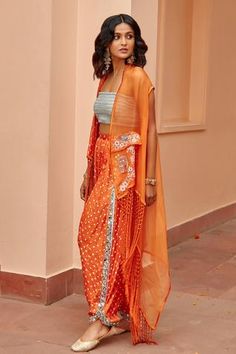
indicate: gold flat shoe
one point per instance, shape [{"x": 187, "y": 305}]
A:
[{"x": 85, "y": 346}]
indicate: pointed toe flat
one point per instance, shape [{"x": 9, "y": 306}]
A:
[{"x": 84, "y": 346}]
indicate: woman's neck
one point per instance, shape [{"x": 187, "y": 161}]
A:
[{"x": 118, "y": 66}]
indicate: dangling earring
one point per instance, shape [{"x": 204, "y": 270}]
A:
[
  {"x": 107, "y": 61},
  {"x": 131, "y": 59}
]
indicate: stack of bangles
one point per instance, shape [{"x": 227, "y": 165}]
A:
[{"x": 151, "y": 181}]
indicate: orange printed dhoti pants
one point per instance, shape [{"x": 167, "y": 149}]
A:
[{"x": 104, "y": 238}]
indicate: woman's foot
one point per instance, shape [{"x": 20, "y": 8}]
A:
[
  {"x": 92, "y": 336},
  {"x": 95, "y": 331},
  {"x": 116, "y": 330}
]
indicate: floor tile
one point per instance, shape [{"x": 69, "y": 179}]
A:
[{"x": 199, "y": 317}]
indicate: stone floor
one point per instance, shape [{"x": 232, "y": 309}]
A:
[{"x": 199, "y": 318}]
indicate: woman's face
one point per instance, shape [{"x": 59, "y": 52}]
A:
[{"x": 123, "y": 43}]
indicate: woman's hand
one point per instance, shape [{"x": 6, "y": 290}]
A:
[
  {"x": 150, "y": 194},
  {"x": 83, "y": 188}
]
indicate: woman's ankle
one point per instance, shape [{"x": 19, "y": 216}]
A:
[{"x": 95, "y": 331}]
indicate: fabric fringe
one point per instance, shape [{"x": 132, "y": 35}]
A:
[{"x": 141, "y": 332}]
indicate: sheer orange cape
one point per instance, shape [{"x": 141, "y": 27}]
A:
[{"x": 148, "y": 289}]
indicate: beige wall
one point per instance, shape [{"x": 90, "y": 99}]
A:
[
  {"x": 199, "y": 167},
  {"x": 25, "y": 28},
  {"x": 38, "y": 78},
  {"x": 47, "y": 93},
  {"x": 59, "y": 252}
]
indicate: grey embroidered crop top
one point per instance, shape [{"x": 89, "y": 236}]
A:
[{"x": 103, "y": 106}]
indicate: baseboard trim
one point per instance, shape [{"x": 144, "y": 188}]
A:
[
  {"x": 188, "y": 229},
  {"x": 38, "y": 289},
  {"x": 49, "y": 290}
]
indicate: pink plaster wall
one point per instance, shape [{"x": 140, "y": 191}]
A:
[
  {"x": 62, "y": 117},
  {"x": 199, "y": 167},
  {"x": 25, "y": 28},
  {"x": 47, "y": 93}
]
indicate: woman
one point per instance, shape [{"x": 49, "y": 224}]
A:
[{"x": 122, "y": 231}]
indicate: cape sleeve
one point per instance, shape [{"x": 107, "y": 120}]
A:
[
  {"x": 142, "y": 87},
  {"x": 154, "y": 280}
]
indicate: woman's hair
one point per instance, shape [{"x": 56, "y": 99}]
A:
[{"x": 106, "y": 36}]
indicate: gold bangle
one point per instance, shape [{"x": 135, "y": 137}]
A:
[{"x": 151, "y": 181}]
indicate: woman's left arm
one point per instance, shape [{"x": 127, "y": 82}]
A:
[{"x": 151, "y": 151}]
